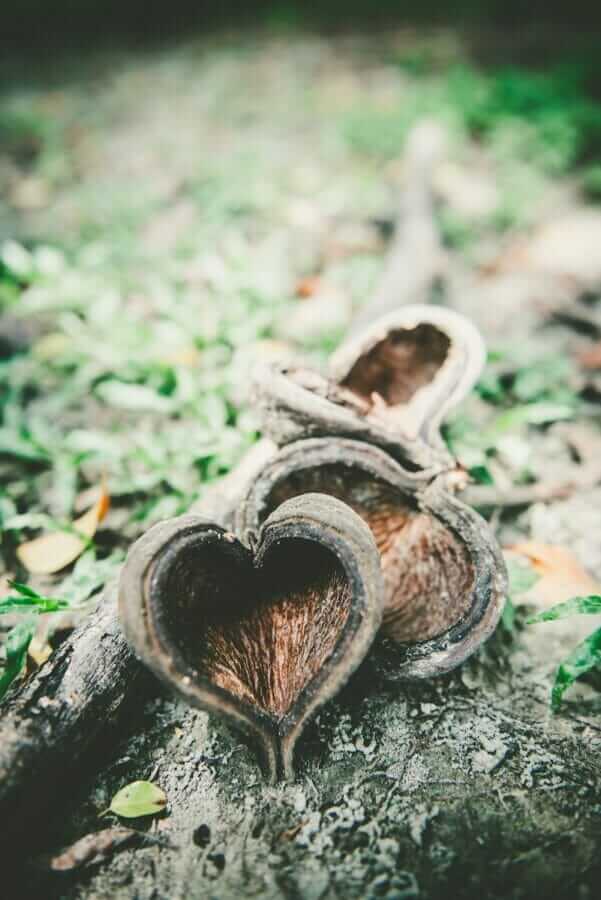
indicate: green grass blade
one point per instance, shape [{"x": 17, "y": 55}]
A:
[
  {"x": 16, "y": 646},
  {"x": 575, "y": 606},
  {"x": 585, "y": 657}
]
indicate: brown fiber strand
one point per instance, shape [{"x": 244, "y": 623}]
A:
[
  {"x": 428, "y": 574},
  {"x": 263, "y": 643}
]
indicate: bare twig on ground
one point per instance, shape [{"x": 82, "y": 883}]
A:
[
  {"x": 585, "y": 477},
  {"x": 485, "y": 495},
  {"x": 416, "y": 256}
]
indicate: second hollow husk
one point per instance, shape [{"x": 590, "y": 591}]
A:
[{"x": 443, "y": 573}]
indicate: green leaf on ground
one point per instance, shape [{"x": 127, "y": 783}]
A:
[
  {"x": 481, "y": 474},
  {"x": 490, "y": 388},
  {"x": 585, "y": 657},
  {"x": 140, "y": 798},
  {"x": 528, "y": 414},
  {"x": 138, "y": 397},
  {"x": 28, "y": 600},
  {"x": 521, "y": 577},
  {"x": 573, "y": 607},
  {"x": 15, "y": 646}
]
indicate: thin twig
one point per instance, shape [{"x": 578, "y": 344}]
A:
[
  {"x": 416, "y": 256},
  {"x": 485, "y": 495}
]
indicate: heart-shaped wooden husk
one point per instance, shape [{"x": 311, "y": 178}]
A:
[
  {"x": 391, "y": 385},
  {"x": 261, "y": 637},
  {"x": 444, "y": 575}
]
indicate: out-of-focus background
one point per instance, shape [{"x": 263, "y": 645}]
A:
[{"x": 185, "y": 190}]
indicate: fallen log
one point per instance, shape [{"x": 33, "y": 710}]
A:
[{"x": 49, "y": 725}]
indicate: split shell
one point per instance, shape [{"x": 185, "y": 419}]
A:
[
  {"x": 444, "y": 575},
  {"x": 262, "y": 637},
  {"x": 391, "y": 385}
]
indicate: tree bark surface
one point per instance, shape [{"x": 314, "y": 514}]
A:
[{"x": 53, "y": 721}]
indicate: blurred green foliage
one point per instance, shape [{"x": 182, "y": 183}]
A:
[{"x": 547, "y": 118}]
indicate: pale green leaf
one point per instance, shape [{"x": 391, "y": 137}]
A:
[
  {"x": 521, "y": 576},
  {"x": 140, "y": 798},
  {"x": 138, "y": 397},
  {"x": 15, "y": 648},
  {"x": 508, "y": 614}
]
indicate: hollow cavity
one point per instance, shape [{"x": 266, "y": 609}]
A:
[
  {"x": 260, "y": 634},
  {"x": 396, "y": 368},
  {"x": 428, "y": 573}
]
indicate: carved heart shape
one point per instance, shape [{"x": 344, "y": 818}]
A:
[{"x": 262, "y": 638}]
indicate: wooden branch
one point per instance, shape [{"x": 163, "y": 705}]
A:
[
  {"x": 416, "y": 256},
  {"x": 54, "y": 720},
  {"x": 585, "y": 477},
  {"x": 484, "y": 495}
]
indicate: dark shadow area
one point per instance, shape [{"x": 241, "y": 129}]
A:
[{"x": 36, "y": 25}]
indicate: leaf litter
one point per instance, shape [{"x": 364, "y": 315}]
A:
[{"x": 52, "y": 552}]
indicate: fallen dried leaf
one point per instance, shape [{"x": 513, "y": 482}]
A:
[
  {"x": 54, "y": 551},
  {"x": 184, "y": 356},
  {"x": 93, "y": 848},
  {"x": 565, "y": 247},
  {"x": 591, "y": 357},
  {"x": 307, "y": 286},
  {"x": 30, "y": 193},
  {"x": 39, "y": 650},
  {"x": 562, "y": 576}
]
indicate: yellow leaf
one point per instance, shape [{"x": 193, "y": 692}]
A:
[
  {"x": 53, "y": 551},
  {"x": 185, "y": 356},
  {"x": 39, "y": 650},
  {"x": 562, "y": 576}
]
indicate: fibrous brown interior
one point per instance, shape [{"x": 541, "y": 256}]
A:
[
  {"x": 393, "y": 370},
  {"x": 262, "y": 634},
  {"x": 428, "y": 573}
]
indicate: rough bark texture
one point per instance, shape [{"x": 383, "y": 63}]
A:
[
  {"x": 463, "y": 786},
  {"x": 53, "y": 721}
]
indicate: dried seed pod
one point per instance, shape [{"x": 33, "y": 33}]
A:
[
  {"x": 444, "y": 575},
  {"x": 392, "y": 385},
  {"x": 261, "y": 637}
]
